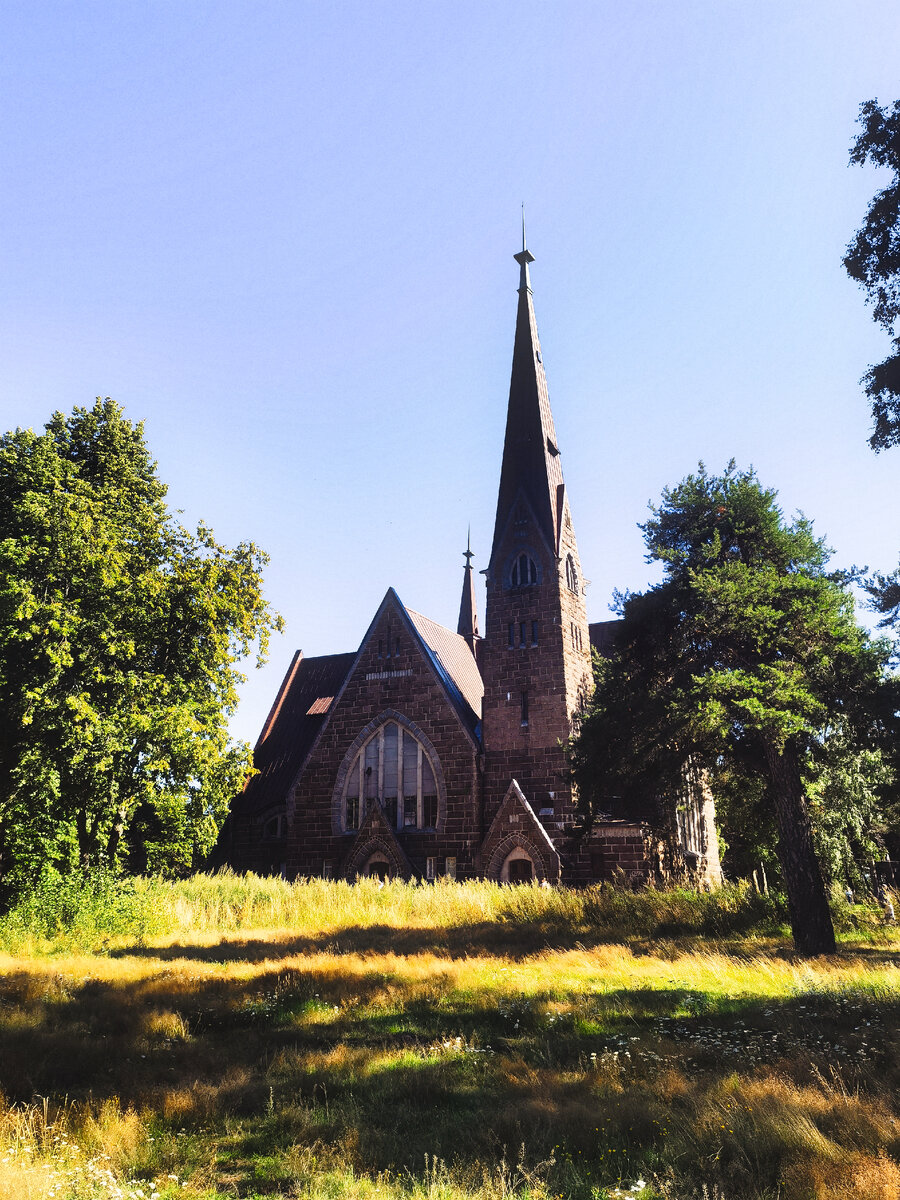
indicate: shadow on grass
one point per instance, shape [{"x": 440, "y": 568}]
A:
[
  {"x": 128, "y": 1037},
  {"x": 459, "y": 942},
  {"x": 387, "y": 1066}
]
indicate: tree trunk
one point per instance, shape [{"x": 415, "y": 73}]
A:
[
  {"x": 84, "y": 841},
  {"x": 807, "y": 900},
  {"x": 115, "y": 836}
]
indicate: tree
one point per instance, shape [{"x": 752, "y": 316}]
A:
[
  {"x": 873, "y": 260},
  {"x": 738, "y": 660},
  {"x": 849, "y": 790},
  {"x": 120, "y": 632}
]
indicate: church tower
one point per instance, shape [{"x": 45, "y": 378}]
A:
[{"x": 535, "y": 654}]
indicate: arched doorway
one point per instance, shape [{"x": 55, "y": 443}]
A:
[
  {"x": 377, "y": 867},
  {"x": 518, "y": 867}
]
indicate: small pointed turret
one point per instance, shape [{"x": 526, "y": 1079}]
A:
[{"x": 467, "y": 625}]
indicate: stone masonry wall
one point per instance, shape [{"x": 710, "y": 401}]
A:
[
  {"x": 399, "y": 680},
  {"x": 555, "y": 672}
]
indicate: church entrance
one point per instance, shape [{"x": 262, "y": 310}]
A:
[
  {"x": 518, "y": 867},
  {"x": 377, "y": 868},
  {"x": 521, "y": 870}
]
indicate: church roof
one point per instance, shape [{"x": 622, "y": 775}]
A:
[
  {"x": 603, "y": 636},
  {"x": 530, "y": 449},
  {"x": 308, "y": 691},
  {"x": 301, "y": 706},
  {"x": 455, "y": 662}
]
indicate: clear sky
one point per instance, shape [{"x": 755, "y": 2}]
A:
[{"x": 282, "y": 235}]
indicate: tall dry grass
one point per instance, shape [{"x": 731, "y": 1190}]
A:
[
  {"x": 100, "y": 911},
  {"x": 451, "y": 1042}
]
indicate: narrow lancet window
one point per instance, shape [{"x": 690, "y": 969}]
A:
[{"x": 571, "y": 574}]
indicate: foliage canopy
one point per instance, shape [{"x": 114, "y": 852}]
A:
[{"x": 120, "y": 632}]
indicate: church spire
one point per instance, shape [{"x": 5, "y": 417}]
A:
[
  {"x": 535, "y": 656},
  {"x": 531, "y": 463},
  {"x": 467, "y": 625}
]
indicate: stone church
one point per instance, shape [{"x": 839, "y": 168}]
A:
[{"x": 430, "y": 752}]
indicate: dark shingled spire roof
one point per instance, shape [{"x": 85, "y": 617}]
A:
[
  {"x": 467, "y": 626},
  {"x": 530, "y": 451}
]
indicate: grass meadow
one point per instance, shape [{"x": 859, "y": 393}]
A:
[{"x": 232, "y": 1036}]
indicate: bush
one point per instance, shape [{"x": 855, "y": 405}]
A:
[{"x": 85, "y": 910}]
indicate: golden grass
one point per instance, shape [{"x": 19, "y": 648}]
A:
[
  {"x": 88, "y": 915},
  {"x": 397, "y": 1054}
]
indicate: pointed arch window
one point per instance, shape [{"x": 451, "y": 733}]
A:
[
  {"x": 524, "y": 571},
  {"x": 393, "y": 769},
  {"x": 571, "y": 574}
]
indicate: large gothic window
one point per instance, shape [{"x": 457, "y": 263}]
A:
[{"x": 392, "y": 769}]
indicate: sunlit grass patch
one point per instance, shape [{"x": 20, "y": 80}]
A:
[
  {"x": 98, "y": 912},
  {"x": 51, "y": 1151},
  {"x": 328, "y": 1054}
]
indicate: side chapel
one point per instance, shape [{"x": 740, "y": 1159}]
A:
[{"x": 429, "y": 752}]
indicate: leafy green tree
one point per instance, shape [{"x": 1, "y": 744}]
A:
[
  {"x": 744, "y": 810},
  {"x": 740, "y": 658},
  {"x": 120, "y": 632},
  {"x": 873, "y": 260},
  {"x": 849, "y": 790}
]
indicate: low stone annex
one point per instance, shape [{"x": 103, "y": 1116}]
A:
[{"x": 429, "y": 752}]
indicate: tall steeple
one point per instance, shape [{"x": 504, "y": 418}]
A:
[
  {"x": 467, "y": 626},
  {"x": 530, "y": 450},
  {"x": 535, "y": 655}
]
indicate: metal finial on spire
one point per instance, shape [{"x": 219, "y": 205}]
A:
[
  {"x": 524, "y": 257},
  {"x": 467, "y": 553}
]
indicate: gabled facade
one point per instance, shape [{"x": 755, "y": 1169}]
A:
[
  {"x": 430, "y": 753},
  {"x": 401, "y": 736}
]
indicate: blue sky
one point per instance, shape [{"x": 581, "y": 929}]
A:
[{"x": 282, "y": 235}]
